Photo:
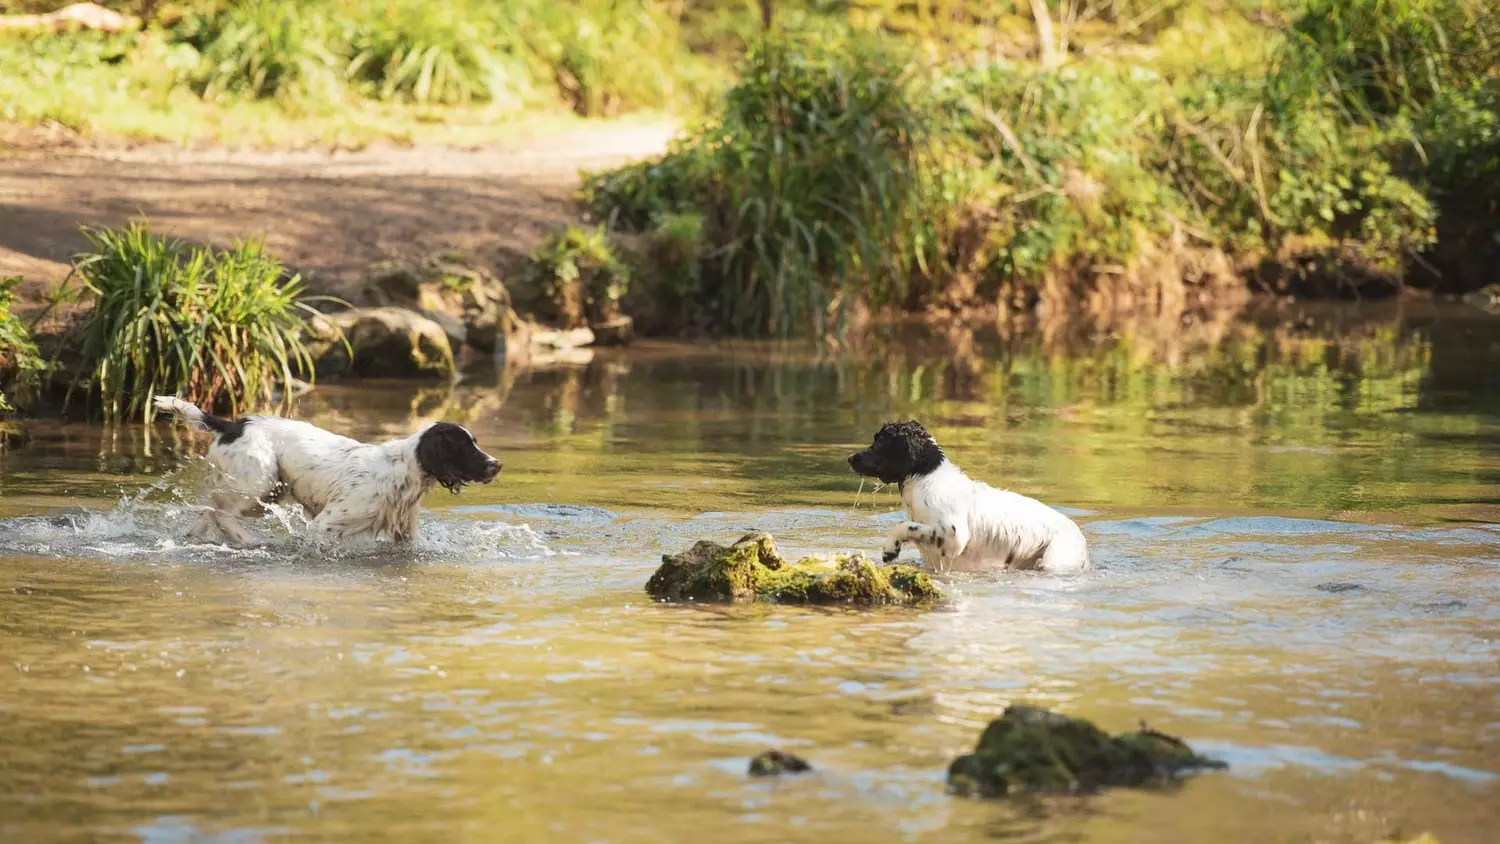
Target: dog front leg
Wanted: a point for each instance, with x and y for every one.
(228, 507)
(950, 540)
(914, 532)
(940, 544)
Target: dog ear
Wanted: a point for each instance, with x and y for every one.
(440, 452)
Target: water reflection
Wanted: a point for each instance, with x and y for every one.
(1291, 513)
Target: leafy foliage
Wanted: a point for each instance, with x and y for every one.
(578, 276)
(422, 53)
(810, 180)
(262, 49)
(20, 364)
(836, 170)
(214, 327)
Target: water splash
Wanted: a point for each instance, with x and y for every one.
(153, 524)
(874, 491)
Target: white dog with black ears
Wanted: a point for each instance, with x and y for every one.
(351, 489)
(958, 522)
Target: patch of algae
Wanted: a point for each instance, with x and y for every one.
(1033, 750)
(752, 569)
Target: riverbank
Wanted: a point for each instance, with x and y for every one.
(836, 180)
(329, 214)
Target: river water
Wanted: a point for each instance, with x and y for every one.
(1298, 571)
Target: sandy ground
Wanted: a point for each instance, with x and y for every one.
(327, 214)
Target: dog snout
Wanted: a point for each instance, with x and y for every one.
(491, 469)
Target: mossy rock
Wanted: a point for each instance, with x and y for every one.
(1034, 750)
(752, 569)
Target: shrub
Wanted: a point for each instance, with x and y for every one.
(607, 56)
(214, 327)
(1377, 58)
(814, 180)
(429, 54)
(20, 365)
(577, 276)
(263, 49)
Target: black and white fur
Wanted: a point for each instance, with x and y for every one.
(351, 489)
(958, 522)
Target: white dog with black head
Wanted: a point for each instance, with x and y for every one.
(959, 523)
(351, 489)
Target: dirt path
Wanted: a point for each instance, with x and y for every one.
(328, 214)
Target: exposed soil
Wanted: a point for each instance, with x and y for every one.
(328, 214)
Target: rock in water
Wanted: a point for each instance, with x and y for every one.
(468, 301)
(774, 763)
(752, 569)
(384, 342)
(1033, 750)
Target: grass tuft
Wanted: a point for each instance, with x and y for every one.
(263, 49)
(217, 328)
(420, 53)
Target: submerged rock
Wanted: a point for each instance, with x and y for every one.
(752, 569)
(1033, 750)
(774, 763)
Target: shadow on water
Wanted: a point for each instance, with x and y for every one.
(1292, 512)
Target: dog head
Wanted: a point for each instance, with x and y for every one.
(450, 456)
(901, 450)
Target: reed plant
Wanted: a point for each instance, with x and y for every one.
(220, 328)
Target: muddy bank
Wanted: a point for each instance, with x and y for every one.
(328, 214)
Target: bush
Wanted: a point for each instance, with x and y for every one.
(418, 52)
(608, 56)
(263, 49)
(577, 276)
(812, 181)
(1378, 58)
(1407, 101)
(213, 327)
(20, 365)
(835, 172)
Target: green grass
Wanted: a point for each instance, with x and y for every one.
(421, 53)
(263, 49)
(223, 329)
(344, 72)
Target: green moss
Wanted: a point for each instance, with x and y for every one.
(753, 569)
(1033, 750)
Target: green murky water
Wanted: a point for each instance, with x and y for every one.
(1298, 571)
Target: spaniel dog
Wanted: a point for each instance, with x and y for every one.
(351, 489)
(958, 522)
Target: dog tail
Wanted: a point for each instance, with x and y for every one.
(190, 414)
